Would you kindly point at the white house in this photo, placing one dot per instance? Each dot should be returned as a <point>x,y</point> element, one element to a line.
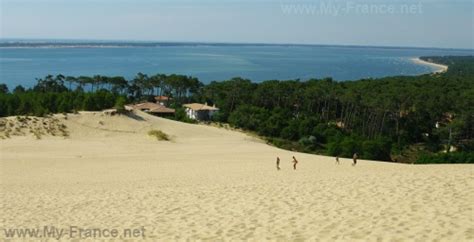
<point>198,111</point>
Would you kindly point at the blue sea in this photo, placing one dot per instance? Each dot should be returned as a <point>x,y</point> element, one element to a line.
<point>214,62</point>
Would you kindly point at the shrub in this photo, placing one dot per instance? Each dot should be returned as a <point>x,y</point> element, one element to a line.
<point>310,143</point>
<point>349,146</point>
<point>377,149</point>
<point>334,148</point>
<point>248,117</point>
<point>454,157</point>
<point>290,132</point>
<point>120,104</point>
<point>287,144</point>
<point>160,135</point>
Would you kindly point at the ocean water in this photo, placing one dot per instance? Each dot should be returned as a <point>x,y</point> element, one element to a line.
<point>215,62</point>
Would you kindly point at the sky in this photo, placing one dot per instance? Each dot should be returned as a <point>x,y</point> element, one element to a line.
<point>414,23</point>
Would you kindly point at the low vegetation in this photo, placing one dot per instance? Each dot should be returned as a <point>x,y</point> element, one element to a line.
<point>455,157</point>
<point>159,135</point>
<point>35,126</point>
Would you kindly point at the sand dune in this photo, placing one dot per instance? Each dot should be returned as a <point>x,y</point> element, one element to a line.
<point>215,184</point>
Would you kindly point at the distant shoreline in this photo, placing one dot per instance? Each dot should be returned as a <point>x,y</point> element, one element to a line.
<point>440,68</point>
<point>20,44</point>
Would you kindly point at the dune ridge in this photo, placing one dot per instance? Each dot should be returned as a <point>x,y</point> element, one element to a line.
<point>216,184</point>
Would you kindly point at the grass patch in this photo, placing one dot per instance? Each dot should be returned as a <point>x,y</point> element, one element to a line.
<point>160,135</point>
<point>38,127</point>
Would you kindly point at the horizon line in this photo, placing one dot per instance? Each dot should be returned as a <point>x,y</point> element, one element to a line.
<point>180,42</point>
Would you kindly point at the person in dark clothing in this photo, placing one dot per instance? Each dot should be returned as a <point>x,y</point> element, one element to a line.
<point>278,163</point>
<point>337,160</point>
<point>295,161</point>
<point>354,159</point>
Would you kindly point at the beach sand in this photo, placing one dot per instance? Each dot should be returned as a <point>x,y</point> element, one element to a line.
<point>439,67</point>
<point>210,183</point>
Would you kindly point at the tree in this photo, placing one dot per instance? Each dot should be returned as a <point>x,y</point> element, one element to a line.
<point>3,88</point>
<point>19,89</point>
<point>89,104</point>
<point>71,80</point>
<point>50,84</point>
<point>377,149</point>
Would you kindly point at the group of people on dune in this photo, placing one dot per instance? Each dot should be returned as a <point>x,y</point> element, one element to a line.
<point>355,156</point>
<point>295,161</point>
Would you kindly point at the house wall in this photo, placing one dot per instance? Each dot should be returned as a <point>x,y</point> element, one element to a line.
<point>191,113</point>
<point>199,115</point>
<point>202,115</point>
<point>211,113</point>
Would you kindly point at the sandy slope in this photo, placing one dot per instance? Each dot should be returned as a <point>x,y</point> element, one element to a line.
<point>210,183</point>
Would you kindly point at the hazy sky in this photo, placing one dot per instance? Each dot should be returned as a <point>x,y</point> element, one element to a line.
<point>424,23</point>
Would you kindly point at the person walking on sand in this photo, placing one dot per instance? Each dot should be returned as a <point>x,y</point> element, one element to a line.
<point>278,163</point>
<point>337,160</point>
<point>354,159</point>
<point>295,161</point>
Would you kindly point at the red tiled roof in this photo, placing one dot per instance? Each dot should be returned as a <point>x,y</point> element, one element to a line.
<point>162,98</point>
<point>200,106</point>
<point>153,108</point>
